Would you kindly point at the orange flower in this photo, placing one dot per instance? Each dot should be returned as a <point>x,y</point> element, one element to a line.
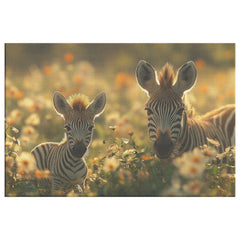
<point>193,170</point>
<point>146,157</point>
<point>68,57</point>
<point>14,92</point>
<point>47,70</point>
<point>123,80</point>
<point>78,79</point>
<point>200,63</point>
<point>21,173</point>
<point>196,159</point>
<point>19,95</point>
<point>38,174</point>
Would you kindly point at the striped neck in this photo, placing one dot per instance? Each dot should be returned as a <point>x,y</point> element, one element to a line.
<point>69,153</point>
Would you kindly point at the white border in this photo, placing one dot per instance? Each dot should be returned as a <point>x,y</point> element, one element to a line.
<point>130,22</point>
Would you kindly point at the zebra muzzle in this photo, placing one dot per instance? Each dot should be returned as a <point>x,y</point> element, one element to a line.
<point>163,146</point>
<point>79,148</point>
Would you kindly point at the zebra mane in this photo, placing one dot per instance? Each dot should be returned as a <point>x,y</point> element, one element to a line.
<point>189,109</point>
<point>78,102</point>
<point>166,76</point>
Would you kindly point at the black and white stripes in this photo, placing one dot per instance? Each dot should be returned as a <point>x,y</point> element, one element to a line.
<point>65,160</point>
<point>172,126</point>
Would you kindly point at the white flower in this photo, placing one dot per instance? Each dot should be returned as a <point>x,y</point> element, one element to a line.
<point>26,162</point>
<point>33,119</point>
<point>191,164</point>
<point>111,164</point>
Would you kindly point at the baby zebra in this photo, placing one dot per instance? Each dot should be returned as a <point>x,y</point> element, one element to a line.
<point>65,160</point>
<point>173,125</point>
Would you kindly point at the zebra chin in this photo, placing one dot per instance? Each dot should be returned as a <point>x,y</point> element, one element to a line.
<point>79,149</point>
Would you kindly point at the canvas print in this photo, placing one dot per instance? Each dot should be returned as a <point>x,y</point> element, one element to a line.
<point>92,120</point>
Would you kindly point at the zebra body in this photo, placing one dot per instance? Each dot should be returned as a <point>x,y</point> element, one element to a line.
<point>66,170</point>
<point>66,160</point>
<point>196,132</point>
<point>173,125</point>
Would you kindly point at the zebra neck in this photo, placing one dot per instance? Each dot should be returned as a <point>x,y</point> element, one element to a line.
<point>192,134</point>
<point>66,149</point>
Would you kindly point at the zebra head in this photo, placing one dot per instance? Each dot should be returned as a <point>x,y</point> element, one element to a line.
<point>165,107</point>
<point>79,118</point>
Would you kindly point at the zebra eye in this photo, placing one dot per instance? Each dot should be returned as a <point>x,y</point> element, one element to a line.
<point>90,128</point>
<point>149,111</point>
<point>180,111</point>
<point>67,128</point>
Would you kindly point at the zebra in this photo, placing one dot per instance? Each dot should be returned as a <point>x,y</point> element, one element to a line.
<point>66,160</point>
<point>173,125</point>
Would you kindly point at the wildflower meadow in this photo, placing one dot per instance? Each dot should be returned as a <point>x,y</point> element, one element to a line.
<point>121,160</point>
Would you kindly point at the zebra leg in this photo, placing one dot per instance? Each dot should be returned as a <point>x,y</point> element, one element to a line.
<point>57,184</point>
<point>79,187</point>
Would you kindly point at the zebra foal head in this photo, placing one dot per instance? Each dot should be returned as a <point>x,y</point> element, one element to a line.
<point>79,117</point>
<point>165,107</point>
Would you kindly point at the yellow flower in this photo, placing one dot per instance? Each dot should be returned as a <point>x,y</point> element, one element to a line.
<point>38,174</point>
<point>111,164</point>
<point>14,92</point>
<point>26,162</point>
<point>15,117</point>
<point>33,119</point>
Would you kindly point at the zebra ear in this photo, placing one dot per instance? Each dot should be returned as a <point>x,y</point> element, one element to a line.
<point>97,105</point>
<point>60,103</point>
<point>146,76</point>
<point>186,78</point>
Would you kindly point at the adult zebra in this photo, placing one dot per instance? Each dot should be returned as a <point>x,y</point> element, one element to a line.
<point>65,160</point>
<point>172,124</point>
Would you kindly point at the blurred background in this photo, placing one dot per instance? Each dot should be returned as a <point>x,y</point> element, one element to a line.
<point>118,57</point>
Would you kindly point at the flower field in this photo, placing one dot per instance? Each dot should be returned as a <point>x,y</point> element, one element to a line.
<point>121,161</point>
